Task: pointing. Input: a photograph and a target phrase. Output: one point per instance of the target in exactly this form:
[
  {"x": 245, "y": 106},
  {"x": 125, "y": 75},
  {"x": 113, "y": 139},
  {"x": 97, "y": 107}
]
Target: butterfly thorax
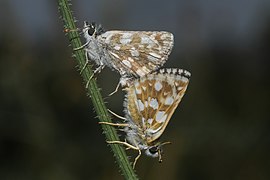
[{"x": 95, "y": 50}]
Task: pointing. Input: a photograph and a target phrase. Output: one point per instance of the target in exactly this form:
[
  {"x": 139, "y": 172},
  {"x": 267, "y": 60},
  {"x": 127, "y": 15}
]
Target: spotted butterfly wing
[
  {"x": 131, "y": 53},
  {"x": 139, "y": 52},
  {"x": 152, "y": 100}
]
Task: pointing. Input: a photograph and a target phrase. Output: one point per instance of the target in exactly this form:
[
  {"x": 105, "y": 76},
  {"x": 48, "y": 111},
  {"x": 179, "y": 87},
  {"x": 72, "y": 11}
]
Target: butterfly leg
[
  {"x": 129, "y": 146},
  {"x": 136, "y": 159},
  {"x": 114, "y": 124},
  {"x": 95, "y": 71},
  {"x": 116, "y": 89},
  {"x": 81, "y": 47},
  {"x": 86, "y": 63},
  {"x": 116, "y": 115},
  {"x": 123, "y": 81}
]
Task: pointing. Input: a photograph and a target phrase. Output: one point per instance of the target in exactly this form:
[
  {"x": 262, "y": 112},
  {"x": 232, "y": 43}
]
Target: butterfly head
[
  {"x": 92, "y": 29},
  {"x": 156, "y": 151}
]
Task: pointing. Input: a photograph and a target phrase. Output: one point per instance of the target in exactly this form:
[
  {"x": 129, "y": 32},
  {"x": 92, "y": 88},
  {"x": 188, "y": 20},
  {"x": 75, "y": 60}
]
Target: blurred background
[{"x": 48, "y": 129}]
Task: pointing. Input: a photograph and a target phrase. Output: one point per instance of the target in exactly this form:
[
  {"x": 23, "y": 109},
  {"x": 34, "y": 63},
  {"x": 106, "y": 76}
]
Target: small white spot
[
  {"x": 174, "y": 71},
  {"x": 126, "y": 35},
  {"x": 141, "y": 106},
  {"x": 158, "y": 86},
  {"x": 153, "y": 103},
  {"x": 179, "y": 88},
  {"x": 138, "y": 91},
  {"x": 137, "y": 88},
  {"x": 145, "y": 40},
  {"x": 161, "y": 116},
  {"x": 162, "y": 71},
  {"x": 125, "y": 41},
  {"x": 134, "y": 53},
  {"x": 137, "y": 84},
  {"x": 144, "y": 88},
  {"x": 117, "y": 47},
  {"x": 143, "y": 120},
  {"x": 169, "y": 100},
  {"x": 126, "y": 38},
  {"x": 127, "y": 63},
  {"x": 150, "y": 121}
]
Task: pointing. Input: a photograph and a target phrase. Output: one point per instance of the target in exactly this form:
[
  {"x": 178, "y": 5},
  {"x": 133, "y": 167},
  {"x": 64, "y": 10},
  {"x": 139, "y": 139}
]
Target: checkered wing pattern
[
  {"x": 137, "y": 52},
  {"x": 151, "y": 100}
]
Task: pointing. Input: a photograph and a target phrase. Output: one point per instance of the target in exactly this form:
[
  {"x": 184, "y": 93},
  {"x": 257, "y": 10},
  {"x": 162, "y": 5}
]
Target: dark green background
[{"x": 48, "y": 128}]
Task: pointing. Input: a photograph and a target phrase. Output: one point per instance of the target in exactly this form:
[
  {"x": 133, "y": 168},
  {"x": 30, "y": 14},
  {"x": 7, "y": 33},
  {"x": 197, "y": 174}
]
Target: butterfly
[
  {"x": 132, "y": 53},
  {"x": 149, "y": 105}
]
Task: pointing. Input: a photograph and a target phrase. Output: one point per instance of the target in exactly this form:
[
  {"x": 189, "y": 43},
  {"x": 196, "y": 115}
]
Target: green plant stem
[{"x": 93, "y": 91}]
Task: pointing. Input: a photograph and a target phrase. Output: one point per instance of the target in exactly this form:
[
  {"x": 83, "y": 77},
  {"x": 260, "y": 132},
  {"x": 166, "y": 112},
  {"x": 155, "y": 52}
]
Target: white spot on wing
[
  {"x": 126, "y": 38},
  {"x": 179, "y": 88},
  {"x": 127, "y": 63},
  {"x": 145, "y": 40},
  {"x": 153, "y": 103},
  {"x": 127, "y": 35},
  {"x": 158, "y": 86},
  {"x": 141, "y": 106},
  {"x": 125, "y": 41},
  {"x": 117, "y": 47},
  {"x": 150, "y": 121},
  {"x": 138, "y": 89},
  {"x": 143, "y": 120},
  {"x": 134, "y": 53},
  {"x": 161, "y": 116},
  {"x": 169, "y": 100}
]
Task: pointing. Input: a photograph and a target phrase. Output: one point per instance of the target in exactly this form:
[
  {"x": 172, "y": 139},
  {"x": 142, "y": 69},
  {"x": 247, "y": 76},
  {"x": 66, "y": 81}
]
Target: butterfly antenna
[
  {"x": 159, "y": 156},
  {"x": 164, "y": 143},
  {"x": 159, "y": 151}
]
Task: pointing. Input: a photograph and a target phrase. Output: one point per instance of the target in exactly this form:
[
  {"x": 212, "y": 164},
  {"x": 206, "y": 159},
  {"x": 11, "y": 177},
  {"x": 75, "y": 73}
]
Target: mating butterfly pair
[{"x": 152, "y": 94}]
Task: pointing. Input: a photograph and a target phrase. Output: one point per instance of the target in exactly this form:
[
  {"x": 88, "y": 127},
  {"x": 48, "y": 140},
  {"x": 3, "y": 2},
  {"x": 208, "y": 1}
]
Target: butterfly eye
[
  {"x": 92, "y": 29},
  {"x": 153, "y": 150}
]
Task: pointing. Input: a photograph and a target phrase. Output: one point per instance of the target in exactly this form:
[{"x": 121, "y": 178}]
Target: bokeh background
[{"x": 48, "y": 129}]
